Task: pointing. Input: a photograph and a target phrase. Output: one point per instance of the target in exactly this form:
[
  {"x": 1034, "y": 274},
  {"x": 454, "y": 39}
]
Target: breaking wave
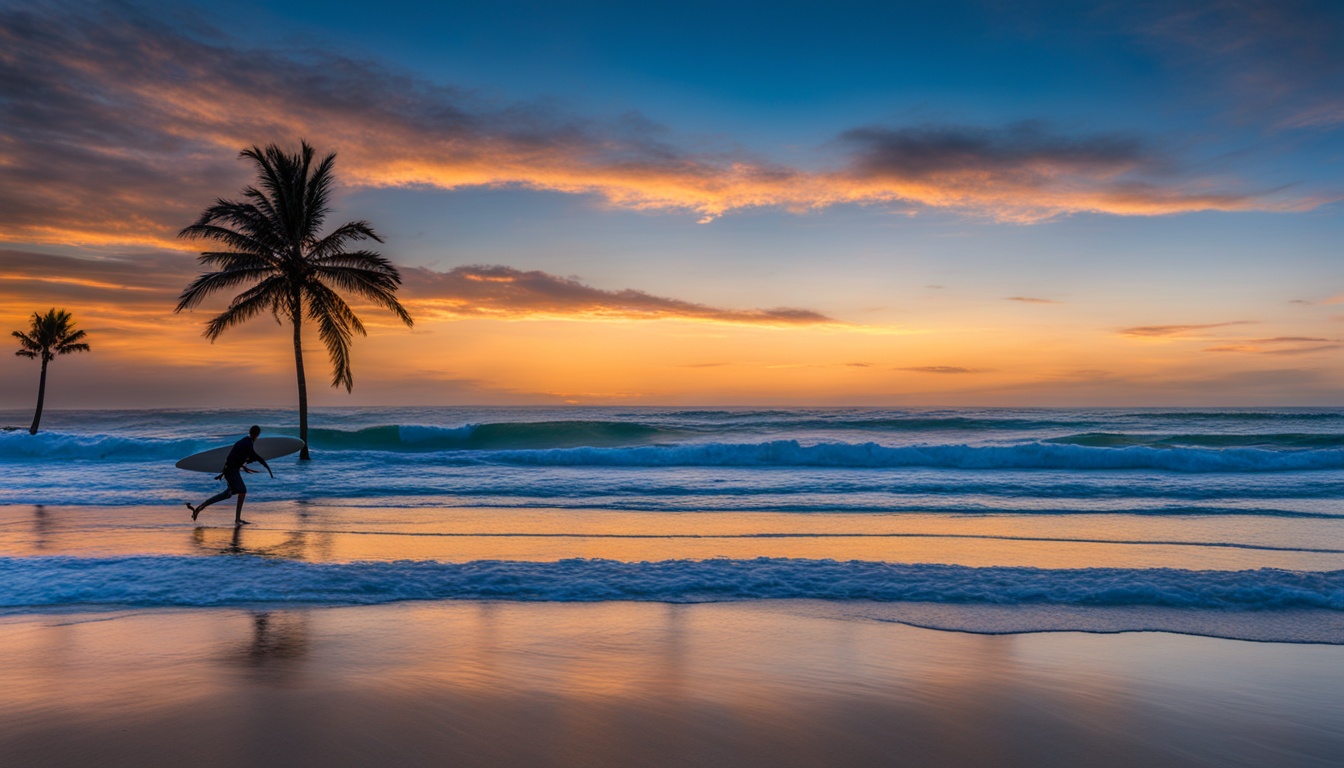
[{"x": 46, "y": 582}]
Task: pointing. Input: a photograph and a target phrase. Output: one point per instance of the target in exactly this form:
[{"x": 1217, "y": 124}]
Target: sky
[{"x": 977, "y": 202}]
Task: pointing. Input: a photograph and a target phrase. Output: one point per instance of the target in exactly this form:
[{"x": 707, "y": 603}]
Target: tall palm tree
[
  {"x": 274, "y": 248},
  {"x": 48, "y": 335}
]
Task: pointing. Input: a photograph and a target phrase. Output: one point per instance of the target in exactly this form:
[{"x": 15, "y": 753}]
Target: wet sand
[{"x": 773, "y": 683}]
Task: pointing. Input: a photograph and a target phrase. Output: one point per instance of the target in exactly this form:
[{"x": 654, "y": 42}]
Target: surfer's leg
[
  {"x": 222, "y": 495},
  {"x": 238, "y": 513}
]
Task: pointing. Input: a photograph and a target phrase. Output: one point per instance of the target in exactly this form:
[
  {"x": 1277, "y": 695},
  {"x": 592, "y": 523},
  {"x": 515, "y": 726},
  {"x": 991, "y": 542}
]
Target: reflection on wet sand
[
  {"x": 294, "y": 543},
  {"x": 42, "y": 528},
  {"x": 277, "y": 648}
]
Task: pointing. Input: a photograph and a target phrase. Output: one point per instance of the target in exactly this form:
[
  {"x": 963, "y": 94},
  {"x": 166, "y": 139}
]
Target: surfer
[{"x": 242, "y": 454}]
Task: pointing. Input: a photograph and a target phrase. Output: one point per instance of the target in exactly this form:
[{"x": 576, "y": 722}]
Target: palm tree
[
  {"x": 48, "y": 335},
  {"x": 274, "y": 249}
]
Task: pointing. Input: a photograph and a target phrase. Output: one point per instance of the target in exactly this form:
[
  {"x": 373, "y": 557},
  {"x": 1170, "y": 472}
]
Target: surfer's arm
[{"x": 263, "y": 463}]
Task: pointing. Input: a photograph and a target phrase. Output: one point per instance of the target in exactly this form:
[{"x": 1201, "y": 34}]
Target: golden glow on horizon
[{"x": 978, "y": 357}]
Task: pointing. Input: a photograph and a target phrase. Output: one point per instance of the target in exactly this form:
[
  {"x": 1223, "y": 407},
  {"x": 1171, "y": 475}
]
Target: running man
[{"x": 243, "y": 453}]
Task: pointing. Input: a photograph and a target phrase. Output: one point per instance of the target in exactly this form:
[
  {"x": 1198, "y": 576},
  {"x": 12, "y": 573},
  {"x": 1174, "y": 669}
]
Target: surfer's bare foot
[{"x": 194, "y": 511}]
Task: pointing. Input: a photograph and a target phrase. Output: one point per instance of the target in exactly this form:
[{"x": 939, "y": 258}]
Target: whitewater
[{"x": 1234, "y": 514}]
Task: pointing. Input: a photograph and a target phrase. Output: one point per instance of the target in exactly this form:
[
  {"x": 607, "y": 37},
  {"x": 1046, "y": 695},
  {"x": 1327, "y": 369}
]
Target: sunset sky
[{"x": 957, "y": 203}]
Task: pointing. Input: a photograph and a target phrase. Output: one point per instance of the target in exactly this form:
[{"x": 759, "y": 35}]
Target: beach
[
  {"x": 620, "y": 684},
  {"x": 660, "y": 587}
]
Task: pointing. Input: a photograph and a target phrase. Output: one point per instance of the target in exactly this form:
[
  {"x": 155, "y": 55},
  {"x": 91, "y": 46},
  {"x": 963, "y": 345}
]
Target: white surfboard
[{"x": 267, "y": 448}]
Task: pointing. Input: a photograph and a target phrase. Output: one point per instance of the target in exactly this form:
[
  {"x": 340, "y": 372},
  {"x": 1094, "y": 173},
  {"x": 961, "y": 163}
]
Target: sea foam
[{"x": 62, "y": 581}]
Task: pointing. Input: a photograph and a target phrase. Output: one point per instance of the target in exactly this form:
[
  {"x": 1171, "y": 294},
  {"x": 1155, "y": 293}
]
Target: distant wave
[
  {"x": 1285, "y": 441},
  {"x": 792, "y": 421},
  {"x": 44, "y": 582},
  {"x": 1244, "y": 416},
  {"x": 561, "y": 444},
  {"x": 64, "y": 445},
  {"x": 409, "y": 439},
  {"x": 484, "y": 437},
  {"x": 1035, "y": 455}
]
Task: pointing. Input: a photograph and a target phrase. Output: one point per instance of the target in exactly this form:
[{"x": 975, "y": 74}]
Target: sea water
[{"x": 1214, "y": 521}]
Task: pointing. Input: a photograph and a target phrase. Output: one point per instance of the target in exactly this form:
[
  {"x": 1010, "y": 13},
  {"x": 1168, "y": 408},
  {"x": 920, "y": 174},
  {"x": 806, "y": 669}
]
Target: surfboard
[{"x": 267, "y": 448}]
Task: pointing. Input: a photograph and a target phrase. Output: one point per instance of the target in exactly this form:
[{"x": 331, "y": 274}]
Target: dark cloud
[
  {"x": 1024, "y": 171},
  {"x": 504, "y": 292},
  {"x": 140, "y": 277},
  {"x": 1025, "y": 151}
]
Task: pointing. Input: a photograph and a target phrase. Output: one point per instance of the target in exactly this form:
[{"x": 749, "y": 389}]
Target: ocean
[{"x": 1219, "y": 522}]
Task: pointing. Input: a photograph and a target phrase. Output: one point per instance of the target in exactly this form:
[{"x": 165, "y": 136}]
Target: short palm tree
[
  {"x": 48, "y": 335},
  {"x": 273, "y": 247}
]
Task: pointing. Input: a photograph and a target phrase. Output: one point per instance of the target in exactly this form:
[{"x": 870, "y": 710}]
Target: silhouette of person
[{"x": 244, "y": 452}]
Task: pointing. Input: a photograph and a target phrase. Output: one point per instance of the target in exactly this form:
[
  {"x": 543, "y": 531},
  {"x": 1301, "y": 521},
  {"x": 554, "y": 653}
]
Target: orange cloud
[
  {"x": 1256, "y": 349},
  {"x": 941, "y": 369},
  {"x": 1157, "y": 331},
  {"x": 119, "y": 129}
]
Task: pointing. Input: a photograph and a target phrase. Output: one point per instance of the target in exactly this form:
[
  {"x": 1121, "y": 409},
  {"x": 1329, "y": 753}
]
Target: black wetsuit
[{"x": 243, "y": 453}]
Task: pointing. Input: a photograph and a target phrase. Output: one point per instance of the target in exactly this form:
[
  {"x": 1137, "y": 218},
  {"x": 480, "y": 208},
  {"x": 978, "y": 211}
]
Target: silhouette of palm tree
[
  {"x": 48, "y": 335},
  {"x": 274, "y": 246}
]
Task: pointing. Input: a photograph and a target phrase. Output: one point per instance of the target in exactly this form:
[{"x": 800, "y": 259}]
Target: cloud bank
[
  {"x": 507, "y": 293},
  {"x": 150, "y": 283},
  {"x": 118, "y": 127}
]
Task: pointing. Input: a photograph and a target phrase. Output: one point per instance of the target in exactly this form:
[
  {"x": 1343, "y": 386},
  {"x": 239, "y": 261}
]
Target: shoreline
[
  {"x": 984, "y": 620},
  {"x": 607, "y": 684}
]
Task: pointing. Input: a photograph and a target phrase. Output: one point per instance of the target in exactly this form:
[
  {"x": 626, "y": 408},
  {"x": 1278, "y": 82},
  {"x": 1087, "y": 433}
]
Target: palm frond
[
  {"x": 30, "y": 346},
  {"x": 336, "y": 325},
  {"x": 209, "y": 282},
  {"x": 245, "y": 241},
  {"x": 375, "y": 285},
  {"x": 317, "y": 189},
  {"x": 267, "y": 295},
  {"x": 237, "y": 260},
  {"x": 334, "y": 243}
]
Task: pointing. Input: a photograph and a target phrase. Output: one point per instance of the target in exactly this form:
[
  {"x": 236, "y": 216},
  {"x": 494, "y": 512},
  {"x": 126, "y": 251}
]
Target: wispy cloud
[
  {"x": 1032, "y": 300},
  {"x": 1282, "y": 58},
  {"x": 942, "y": 369},
  {"x": 118, "y": 128},
  {"x": 1159, "y": 331},
  {"x": 1280, "y": 346}
]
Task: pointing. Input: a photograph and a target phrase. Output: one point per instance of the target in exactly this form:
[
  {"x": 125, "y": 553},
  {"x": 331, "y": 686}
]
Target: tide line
[{"x": 1044, "y": 539}]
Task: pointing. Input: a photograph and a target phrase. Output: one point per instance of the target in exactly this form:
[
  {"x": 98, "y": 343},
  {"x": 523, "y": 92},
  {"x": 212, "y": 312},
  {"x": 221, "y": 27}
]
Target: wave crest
[
  {"x": 1035, "y": 455},
  {"x": 43, "y": 582}
]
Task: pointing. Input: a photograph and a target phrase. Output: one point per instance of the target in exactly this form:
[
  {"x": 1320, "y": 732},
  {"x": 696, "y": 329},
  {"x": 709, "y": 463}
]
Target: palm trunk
[
  {"x": 41, "y": 395},
  {"x": 303, "y": 383}
]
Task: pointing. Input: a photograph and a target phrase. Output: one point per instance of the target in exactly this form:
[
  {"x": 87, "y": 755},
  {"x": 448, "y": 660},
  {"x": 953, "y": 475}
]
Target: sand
[{"x": 772, "y": 683}]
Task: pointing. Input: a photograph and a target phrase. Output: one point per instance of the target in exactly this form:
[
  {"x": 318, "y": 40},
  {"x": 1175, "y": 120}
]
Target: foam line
[{"x": 62, "y": 581}]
